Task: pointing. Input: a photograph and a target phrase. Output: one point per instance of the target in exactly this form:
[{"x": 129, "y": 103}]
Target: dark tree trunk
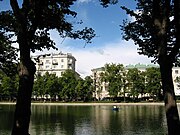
[
  {"x": 165, "y": 60},
  {"x": 23, "y": 104},
  {"x": 170, "y": 101},
  {"x": 26, "y": 71}
]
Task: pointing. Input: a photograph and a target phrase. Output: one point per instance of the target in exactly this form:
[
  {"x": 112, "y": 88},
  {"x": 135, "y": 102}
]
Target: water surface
[{"x": 90, "y": 120}]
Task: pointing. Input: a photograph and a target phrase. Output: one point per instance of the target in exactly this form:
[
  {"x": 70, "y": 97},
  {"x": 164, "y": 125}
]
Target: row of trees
[
  {"x": 121, "y": 83},
  {"x": 8, "y": 86},
  {"x": 131, "y": 82},
  {"x": 69, "y": 87}
]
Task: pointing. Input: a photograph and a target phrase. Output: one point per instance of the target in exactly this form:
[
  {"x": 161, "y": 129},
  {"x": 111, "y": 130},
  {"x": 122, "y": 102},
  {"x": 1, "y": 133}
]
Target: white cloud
[
  {"x": 88, "y": 58},
  {"x": 84, "y": 1},
  {"x": 121, "y": 52}
]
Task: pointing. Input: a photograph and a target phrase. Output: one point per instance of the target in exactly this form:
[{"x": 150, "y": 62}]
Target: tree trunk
[
  {"x": 170, "y": 101},
  {"x": 161, "y": 22},
  {"x": 23, "y": 104},
  {"x": 26, "y": 71}
]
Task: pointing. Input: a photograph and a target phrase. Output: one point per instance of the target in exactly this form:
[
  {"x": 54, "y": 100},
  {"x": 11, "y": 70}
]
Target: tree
[
  {"x": 136, "y": 82},
  {"x": 156, "y": 30},
  {"x": 88, "y": 88},
  {"x": 8, "y": 86},
  {"x": 106, "y": 3},
  {"x": 153, "y": 82},
  {"x": 114, "y": 77},
  {"x": 48, "y": 84},
  {"x": 8, "y": 56},
  {"x": 30, "y": 23},
  {"x": 52, "y": 86},
  {"x": 84, "y": 88},
  {"x": 69, "y": 82}
]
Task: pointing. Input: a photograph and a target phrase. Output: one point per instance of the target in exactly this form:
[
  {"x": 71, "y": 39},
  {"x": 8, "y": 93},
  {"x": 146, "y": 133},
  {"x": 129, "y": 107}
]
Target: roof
[{"x": 141, "y": 66}]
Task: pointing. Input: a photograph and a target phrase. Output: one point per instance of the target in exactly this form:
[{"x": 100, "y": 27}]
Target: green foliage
[
  {"x": 69, "y": 82},
  {"x": 8, "y": 86},
  {"x": 153, "y": 82},
  {"x": 106, "y": 3},
  {"x": 114, "y": 76},
  {"x": 142, "y": 30},
  {"x": 37, "y": 18},
  {"x": 48, "y": 84},
  {"x": 8, "y": 56},
  {"x": 68, "y": 87},
  {"x": 136, "y": 82},
  {"x": 84, "y": 88}
]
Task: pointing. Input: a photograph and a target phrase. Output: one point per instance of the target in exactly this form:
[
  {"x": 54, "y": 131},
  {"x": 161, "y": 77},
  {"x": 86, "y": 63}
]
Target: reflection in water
[
  {"x": 6, "y": 119},
  {"x": 90, "y": 120}
]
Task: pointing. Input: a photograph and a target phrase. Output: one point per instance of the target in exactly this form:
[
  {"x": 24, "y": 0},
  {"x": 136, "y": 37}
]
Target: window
[
  {"x": 69, "y": 66},
  {"x": 62, "y": 66},
  {"x": 69, "y": 60},
  {"x": 55, "y": 62},
  {"x": 62, "y": 60},
  {"x": 54, "y": 66},
  {"x": 47, "y": 61},
  {"x": 40, "y": 63},
  {"x": 176, "y": 72},
  {"x": 47, "y": 66}
]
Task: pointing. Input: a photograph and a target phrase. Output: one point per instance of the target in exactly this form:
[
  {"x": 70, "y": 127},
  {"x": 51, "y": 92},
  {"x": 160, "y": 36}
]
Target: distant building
[
  {"x": 175, "y": 73},
  {"x": 141, "y": 67},
  {"x": 54, "y": 63},
  {"x": 101, "y": 88}
]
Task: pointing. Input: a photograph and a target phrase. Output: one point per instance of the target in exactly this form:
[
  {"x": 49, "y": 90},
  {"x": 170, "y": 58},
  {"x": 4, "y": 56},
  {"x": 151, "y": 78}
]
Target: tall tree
[
  {"x": 8, "y": 86},
  {"x": 8, "y": 55},
  {"x": 136, "y": 82},
  {"x": 153, "y": 82},
  {"x": 84, "y": 88},
  {"x": 155, "y": 30},
  {"x": 69, "y": 82},
  {"x": 31, "y": 23},
  {"x": 114, "y": 76}
]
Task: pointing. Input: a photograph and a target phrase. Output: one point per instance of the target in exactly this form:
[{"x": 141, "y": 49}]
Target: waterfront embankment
[{"x": 89, "y": 104}]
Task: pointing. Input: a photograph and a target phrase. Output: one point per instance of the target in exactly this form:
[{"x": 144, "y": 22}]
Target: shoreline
[{"x": 86, "y": 104}]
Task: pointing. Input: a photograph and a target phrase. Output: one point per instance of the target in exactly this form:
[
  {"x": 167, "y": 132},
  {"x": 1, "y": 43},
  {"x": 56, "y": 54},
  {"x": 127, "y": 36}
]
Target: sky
[{"x": 108, "y": 45}]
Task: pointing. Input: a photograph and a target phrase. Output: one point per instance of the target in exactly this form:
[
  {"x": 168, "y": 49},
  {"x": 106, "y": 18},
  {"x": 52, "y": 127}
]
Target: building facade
[
  {"x": 101, "y": 88},
  {"x": 54, "y": 63}
]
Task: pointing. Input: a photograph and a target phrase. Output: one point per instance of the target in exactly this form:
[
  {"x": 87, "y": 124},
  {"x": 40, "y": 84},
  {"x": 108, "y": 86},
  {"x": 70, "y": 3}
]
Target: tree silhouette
[
  {"x": 156, "y": 31},
  {"x": 30, "y": 23}
]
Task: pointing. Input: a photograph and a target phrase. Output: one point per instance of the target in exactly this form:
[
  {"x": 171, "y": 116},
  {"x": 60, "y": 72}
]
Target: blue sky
[{"x": 107, "y": 46}]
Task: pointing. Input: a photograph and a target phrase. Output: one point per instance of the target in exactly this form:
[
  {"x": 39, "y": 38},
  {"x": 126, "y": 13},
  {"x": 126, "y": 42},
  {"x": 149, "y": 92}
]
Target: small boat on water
[{"x": 115, "y": 108}]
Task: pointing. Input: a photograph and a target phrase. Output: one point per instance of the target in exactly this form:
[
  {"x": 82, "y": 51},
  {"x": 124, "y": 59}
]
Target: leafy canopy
[
  {"x": 142, "y": 31},
  {"x": 36, "y": 18}
]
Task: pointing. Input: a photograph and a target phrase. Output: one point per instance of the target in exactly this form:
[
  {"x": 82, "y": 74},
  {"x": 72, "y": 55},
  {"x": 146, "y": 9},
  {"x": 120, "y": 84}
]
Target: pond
[{"x": 90, "y": 120}]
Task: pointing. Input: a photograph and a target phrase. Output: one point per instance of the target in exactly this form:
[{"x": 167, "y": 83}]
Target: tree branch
[
  {"x": 15, "y": 7},
  {"x": 176, "y": 47}
]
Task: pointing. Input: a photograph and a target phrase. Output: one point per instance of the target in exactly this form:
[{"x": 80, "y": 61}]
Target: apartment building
[
  {"x": 175, "y": 74},
  {"x": 101, "y": 88},
  {"x": 54, "y": 63}
]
